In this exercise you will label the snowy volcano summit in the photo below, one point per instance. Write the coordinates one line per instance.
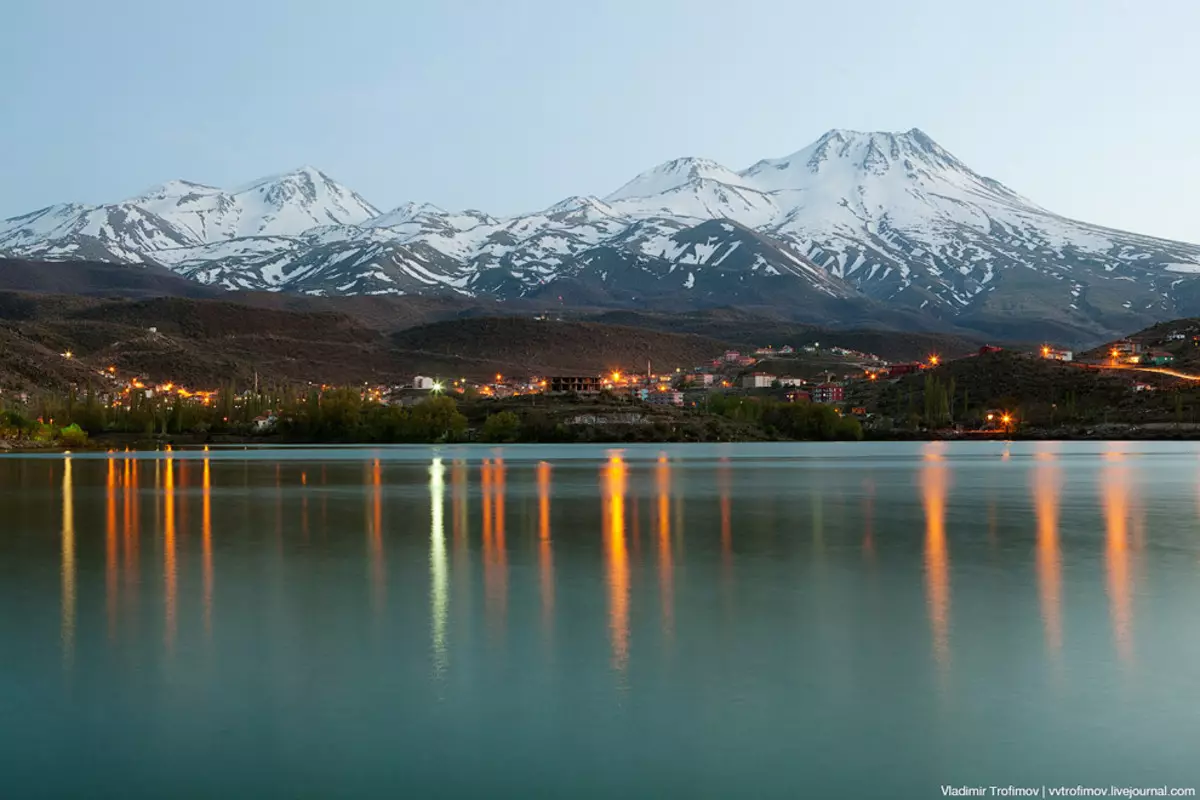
(853, 226)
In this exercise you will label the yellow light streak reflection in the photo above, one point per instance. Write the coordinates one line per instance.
(67, 632)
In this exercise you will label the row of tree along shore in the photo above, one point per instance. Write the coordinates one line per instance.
(345, 415)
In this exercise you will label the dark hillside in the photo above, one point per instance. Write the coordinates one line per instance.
(219, 318)
(748, 329)
(1037, 390)
(549, 346)
(381, 312)
(97, 279)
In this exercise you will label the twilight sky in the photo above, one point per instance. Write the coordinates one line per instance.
(1088, 107)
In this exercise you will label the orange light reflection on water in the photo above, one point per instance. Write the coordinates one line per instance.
(206, 544)
(934, 482)
(170, 573)
(110, 547)
(495, 556)
(666, 562)
(618, 560)
(1047, 485)
(545, 554)
(1114, 488)
(375, 540)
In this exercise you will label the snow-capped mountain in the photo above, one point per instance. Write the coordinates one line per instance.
(181, 214)
(855, 221)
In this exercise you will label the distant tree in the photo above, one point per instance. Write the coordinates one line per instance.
(502, 427)
(72, 436)
(437, 419)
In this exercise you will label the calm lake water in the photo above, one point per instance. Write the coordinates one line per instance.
(855, 620)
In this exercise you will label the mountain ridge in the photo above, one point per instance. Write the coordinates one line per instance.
(876, 219)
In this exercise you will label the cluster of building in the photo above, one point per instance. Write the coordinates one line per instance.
(1130, 352)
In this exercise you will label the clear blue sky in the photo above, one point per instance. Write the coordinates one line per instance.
(1089, 107)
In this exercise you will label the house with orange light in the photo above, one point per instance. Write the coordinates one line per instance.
(829, 393)
(1055, 354)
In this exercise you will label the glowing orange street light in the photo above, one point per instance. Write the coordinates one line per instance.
(1006, 419)
(616, 377)
(498, 377)
(1045, 351)
(933, 360)
(1114, 352)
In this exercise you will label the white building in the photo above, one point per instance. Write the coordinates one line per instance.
(758, 380)
(422, 382)
(1054, 354)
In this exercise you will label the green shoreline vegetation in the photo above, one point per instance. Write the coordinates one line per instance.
(344, 416)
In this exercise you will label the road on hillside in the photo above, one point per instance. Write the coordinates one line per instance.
(1133, 368)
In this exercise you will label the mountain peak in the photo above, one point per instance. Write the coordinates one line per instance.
(912, 154)
(302, 176)
(175, 189)
(673, 174)
(405, 212)
(579, 201)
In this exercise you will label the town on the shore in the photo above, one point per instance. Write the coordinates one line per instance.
(804, 391)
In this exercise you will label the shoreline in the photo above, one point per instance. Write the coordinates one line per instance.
(122, 443)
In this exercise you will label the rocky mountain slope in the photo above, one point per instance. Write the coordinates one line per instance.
(853, 227)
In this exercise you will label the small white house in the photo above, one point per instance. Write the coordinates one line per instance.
(422, 382)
